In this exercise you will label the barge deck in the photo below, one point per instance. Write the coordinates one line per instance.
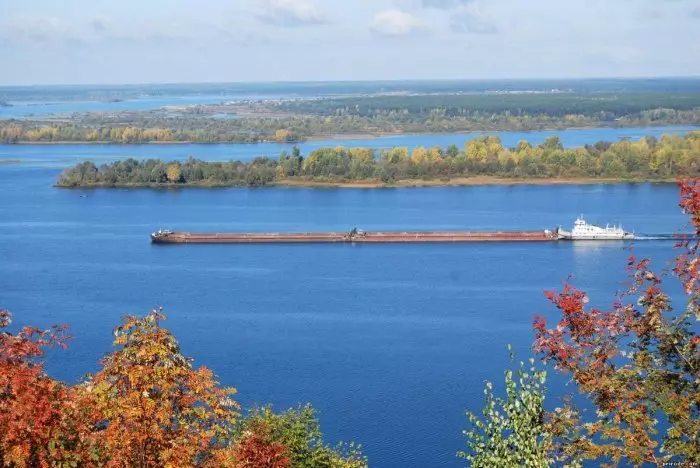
(354, 236)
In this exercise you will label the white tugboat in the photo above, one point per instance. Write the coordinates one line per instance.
(584, 231)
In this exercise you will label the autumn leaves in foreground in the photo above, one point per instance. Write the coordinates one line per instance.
(634, 367)
(147, 406)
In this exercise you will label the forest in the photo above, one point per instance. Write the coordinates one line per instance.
(646, 159)
(218, 132)
(295, 120)
(602, 106)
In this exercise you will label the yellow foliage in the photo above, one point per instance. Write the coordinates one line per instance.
(419, 155)
(174, 173)
(283, 135)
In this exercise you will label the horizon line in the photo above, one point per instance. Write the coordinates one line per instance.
(406, 80)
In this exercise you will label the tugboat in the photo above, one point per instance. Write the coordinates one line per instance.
(584, 231)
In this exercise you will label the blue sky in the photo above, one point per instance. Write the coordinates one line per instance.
(129, 41)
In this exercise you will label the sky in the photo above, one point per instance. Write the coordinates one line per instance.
(169, 41)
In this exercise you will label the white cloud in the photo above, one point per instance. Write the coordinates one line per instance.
(393, 23)
(469, 19)
(290, 13)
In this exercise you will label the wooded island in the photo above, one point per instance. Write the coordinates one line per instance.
(646, 159)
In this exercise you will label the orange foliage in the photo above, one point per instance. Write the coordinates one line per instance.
(151, 406)
(636, 361)
(31, 404)
(257, 450)
(147, 406)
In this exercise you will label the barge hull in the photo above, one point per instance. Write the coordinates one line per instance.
(337, 237)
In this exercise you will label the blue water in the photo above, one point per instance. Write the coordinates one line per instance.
(34, 109)
(391, 343)
(61, 156)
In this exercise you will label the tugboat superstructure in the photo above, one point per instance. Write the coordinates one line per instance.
(584, 231)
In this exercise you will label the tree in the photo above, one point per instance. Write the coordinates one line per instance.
(31, 403)
(552, 143)
(476, 149)
(146, 407)
(258, 450)
(512, 433)
(419, 155)
(452, 151)
(298, 431)
(152, 407)
(637, 362)
(174, 173)
(283, 135)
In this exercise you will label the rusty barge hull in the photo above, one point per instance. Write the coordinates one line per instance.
(341, 237)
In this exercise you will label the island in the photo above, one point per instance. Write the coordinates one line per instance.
(482, 160)
(296, 120)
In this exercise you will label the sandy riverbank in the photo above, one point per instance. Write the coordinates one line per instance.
(465, 181)
(371, 184)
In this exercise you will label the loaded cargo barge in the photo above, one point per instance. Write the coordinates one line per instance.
(354, 236)
(581, 231)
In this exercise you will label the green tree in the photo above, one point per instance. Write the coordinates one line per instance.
(298, 430)
(513, 432)
(452, 151)
(638, 363)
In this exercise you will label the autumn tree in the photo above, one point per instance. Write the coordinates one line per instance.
(147, 406)
(31, 403)
(151, 407)
(638, 362)
(174, 173)
(257, 449)
(283, 135)
(298, 430)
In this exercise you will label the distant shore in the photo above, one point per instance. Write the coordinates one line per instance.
(407, 183)
(341, 136)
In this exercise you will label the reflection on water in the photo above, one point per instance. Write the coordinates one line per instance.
(598, 247)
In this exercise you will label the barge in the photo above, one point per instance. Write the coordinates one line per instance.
(354, 236)
(581, 231)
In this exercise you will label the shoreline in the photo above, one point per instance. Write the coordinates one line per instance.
(406, 183)
(467, 182)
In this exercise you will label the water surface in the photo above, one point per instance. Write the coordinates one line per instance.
(390, 342)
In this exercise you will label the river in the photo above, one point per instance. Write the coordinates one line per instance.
(64, 155)
(391, 343)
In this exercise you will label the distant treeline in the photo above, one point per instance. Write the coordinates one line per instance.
(149, 128)
(228, 91)
(648, 159)
(599, 106)
(15, 132)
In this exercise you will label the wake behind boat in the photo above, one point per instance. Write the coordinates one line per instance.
(584, 231)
